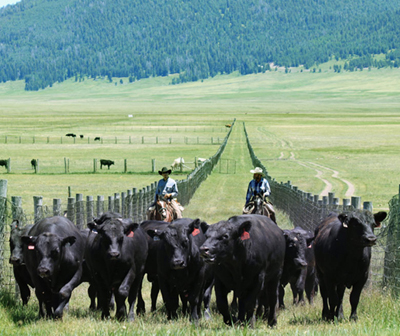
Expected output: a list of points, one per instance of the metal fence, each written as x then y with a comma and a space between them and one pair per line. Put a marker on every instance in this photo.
132, 203
307, 210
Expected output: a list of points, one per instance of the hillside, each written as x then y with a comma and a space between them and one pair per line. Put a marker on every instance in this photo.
48, 41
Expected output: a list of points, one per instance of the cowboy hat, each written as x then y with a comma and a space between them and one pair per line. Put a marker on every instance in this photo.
256, 170
164, 170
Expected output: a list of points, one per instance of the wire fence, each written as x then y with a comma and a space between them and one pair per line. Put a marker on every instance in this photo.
132, 203
307, 210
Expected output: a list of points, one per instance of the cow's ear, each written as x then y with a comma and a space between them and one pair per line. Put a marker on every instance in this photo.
204, 226
194, 227
68, 240
29, 240
244, 230
154, 233
344, 220
309, 235
379, 217
131, 227
92, 226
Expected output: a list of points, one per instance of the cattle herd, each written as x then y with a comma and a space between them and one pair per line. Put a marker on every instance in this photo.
185, 260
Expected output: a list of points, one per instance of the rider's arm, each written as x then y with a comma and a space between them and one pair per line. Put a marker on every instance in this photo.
249, 193
266, 188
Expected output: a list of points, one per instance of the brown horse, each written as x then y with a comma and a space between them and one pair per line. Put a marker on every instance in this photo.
259, 206
163, 211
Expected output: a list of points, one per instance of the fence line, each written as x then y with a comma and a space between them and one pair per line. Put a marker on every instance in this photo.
307, 210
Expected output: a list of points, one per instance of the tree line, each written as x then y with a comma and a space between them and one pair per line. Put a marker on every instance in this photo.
49, 41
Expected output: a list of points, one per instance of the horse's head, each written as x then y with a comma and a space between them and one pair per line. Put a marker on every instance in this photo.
161, 207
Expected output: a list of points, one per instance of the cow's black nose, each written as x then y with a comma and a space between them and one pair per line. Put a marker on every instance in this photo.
15, 260
43, 272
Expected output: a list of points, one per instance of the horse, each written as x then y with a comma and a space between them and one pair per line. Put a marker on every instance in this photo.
163, 211
259, 206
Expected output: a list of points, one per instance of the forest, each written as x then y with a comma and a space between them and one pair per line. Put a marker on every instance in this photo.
47, 41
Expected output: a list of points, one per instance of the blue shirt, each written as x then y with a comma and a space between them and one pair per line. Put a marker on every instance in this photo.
255, 188
166, 187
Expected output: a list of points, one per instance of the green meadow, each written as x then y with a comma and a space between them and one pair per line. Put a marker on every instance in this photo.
336, 132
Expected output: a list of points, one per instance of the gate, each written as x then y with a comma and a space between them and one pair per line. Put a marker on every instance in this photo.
227, 166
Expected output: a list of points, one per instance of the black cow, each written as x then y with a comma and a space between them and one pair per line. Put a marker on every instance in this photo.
97, 139
107, 163
81, 136
72, 135
115, 254
151, 263
4, 163
248, 253
53, 253
21, 273
342, 254
181, 270
33, 163
295, 269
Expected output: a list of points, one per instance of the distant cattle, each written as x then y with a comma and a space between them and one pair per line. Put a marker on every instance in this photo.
4, 163
21, 273
72, 135
81, 136
181, 270
201, 160
342, 255
97, 139
228, 125
34, 163
115, 254
247, 253
53, 254
178, 163
295, 269
107, 163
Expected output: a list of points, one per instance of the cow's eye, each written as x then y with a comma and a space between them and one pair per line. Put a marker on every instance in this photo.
54, 253
225, 237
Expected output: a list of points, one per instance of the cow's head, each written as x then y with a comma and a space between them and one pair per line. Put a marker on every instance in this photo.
177, 241
16, 256
223, 239
359, 226
113, 232
49, 249
297, 241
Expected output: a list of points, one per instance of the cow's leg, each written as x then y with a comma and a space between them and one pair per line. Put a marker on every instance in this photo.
309, 287
355, 298
120, 313
339, 309
221, 294
170, 297
155, 288
123, 292
23, 288
207, 299
324, 295
333, 299
137, 283
281, 296
92, 293
272, 295
141, 306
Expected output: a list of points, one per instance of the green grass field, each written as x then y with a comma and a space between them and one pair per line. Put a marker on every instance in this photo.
314, 129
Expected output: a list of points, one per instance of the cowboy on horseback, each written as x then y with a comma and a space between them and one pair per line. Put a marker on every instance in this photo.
167, 190
258, 186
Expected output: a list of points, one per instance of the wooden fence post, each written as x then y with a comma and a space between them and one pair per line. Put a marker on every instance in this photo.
100, 205
356, 202
71, 209
94, 165
80, 216
57, 207
125, 165
117, 204
134, 205
16, 208
9, 165
153, 165
368, 206
3, 220
123, 204
129, 204
89, 209
37, 208
110, 203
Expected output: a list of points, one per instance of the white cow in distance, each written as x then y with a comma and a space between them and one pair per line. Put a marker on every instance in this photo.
177, 163
200, 160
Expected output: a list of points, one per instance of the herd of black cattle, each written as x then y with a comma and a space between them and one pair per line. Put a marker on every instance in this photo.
185, 259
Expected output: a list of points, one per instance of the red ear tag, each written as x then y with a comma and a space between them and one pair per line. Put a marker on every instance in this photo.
245, 235
31, 247
131, 234
195, 232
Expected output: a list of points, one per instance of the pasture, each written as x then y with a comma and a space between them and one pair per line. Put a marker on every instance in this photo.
312, 129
